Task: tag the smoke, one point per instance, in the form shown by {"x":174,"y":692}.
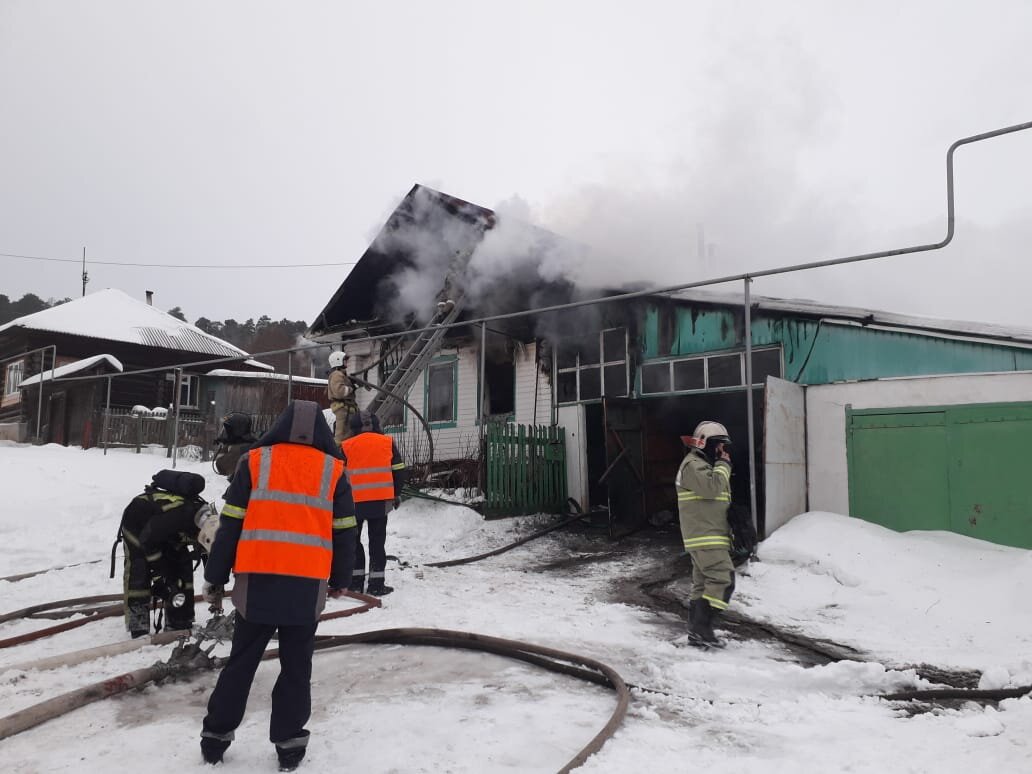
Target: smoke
{"x":734,"y":198}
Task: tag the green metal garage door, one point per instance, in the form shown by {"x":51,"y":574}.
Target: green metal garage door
{"x":965,"y":469}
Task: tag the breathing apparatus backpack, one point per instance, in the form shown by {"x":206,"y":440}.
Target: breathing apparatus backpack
{"x":177,"y":482}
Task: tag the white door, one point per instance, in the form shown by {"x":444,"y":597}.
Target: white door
{"x":784,"y":451}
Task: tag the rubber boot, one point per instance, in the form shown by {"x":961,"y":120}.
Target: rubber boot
{"x":357,"y":584}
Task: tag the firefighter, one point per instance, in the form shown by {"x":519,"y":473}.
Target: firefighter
{"x":233,"y":441}
{"x":703,"y":486}
{"x":160,"y":528}
{"x":287,"y":531}
{"x":376,"y":472}
{"x":341,"y":392}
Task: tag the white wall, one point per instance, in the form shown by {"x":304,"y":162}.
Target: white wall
{"x":462,"y":440}
{"x":827,"y":478}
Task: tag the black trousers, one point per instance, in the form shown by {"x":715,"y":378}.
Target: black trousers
{"x":173,"y":573}
{"x":292,"y":694}
{"x":376,"y":531}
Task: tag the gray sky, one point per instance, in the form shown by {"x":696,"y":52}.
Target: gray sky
{"x":284,"y":133}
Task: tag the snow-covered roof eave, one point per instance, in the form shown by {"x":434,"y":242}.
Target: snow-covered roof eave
{"x":225,"y":372}
{"x":72,"y":368}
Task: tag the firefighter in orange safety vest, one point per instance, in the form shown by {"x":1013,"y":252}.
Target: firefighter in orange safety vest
{"x":287,"y":531}
{"x":376,"y":473}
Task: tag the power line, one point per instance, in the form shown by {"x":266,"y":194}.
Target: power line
{"x":183,"y":265}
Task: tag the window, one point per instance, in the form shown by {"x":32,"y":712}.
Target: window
{"x":12,"y":379}
{"x":441,"y":393}
{"x":708,"y":372}
{"x":588,"y":368}
{"x":189,"y":391}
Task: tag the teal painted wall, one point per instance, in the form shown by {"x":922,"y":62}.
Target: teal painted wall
{"x":816,"y":353}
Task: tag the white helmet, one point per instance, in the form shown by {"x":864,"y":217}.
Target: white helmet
{"x":337,"y":359}
{"x":707,"y":430}
{"x":207,"y":520}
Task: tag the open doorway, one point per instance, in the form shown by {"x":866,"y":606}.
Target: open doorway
{"x":660,"y":451}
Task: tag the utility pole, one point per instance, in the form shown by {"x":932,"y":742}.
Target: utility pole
{"x":85,"y":276}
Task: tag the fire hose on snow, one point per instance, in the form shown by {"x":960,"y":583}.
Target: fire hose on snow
{"x":192,"y":657}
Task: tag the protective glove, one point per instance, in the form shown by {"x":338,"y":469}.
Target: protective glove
{"x":212,"y":593}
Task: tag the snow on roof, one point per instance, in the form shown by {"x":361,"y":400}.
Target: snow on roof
{"x":865,"y":316}
{"x":72,"y":368}
{"x":116,"y":316}
{"x":254,"y":375}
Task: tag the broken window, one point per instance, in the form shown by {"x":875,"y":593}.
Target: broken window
{"x":499,"y":387}
{"x":592,"y":366}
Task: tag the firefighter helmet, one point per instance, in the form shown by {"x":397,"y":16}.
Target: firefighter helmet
{"x":207,"y":520}
{"x":337,"y":358}
{"x":709,"y":431}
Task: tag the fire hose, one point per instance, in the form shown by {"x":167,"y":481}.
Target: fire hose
{"x":189,"y":658}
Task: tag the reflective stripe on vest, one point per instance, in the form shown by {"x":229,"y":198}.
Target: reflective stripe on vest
{"x":288,"y":524}
{"x":369,"y":466}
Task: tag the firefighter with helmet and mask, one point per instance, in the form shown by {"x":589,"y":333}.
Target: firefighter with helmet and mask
{"x":341,"y":393}
{"x":703,"y":486}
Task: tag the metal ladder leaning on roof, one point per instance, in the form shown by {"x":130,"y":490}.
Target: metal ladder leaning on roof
{"x":426,"y":344}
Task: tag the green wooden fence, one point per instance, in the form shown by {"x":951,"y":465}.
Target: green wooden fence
{"x":525,"y":469}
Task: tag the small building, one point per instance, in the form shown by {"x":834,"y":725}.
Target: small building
{"x":833,"y":387}
{"x":73,"y":346}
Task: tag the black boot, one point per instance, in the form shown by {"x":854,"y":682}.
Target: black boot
{"x":700,"y":625}
{"x":212,"y":749}
{"x":378,"y":589}
{"x":290,"y":758}
{"x":357,"y":584}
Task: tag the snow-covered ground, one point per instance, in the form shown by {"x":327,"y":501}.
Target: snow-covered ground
{"x":899,"y":599}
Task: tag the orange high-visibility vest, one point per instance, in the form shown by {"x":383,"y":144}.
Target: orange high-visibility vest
{"x":369,"y":466}
{"x":288,"y":525}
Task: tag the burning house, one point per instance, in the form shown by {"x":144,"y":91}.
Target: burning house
{"x":626,"y":378}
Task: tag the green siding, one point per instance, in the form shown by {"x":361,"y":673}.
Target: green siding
{"x":962,"y":469}
{"x":820,"y":353}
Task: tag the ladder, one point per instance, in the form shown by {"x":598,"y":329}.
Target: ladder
{"x":426,"y":344}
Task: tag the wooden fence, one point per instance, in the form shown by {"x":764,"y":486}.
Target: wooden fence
{"x":125,"y":429}
{"x":525,"y":469}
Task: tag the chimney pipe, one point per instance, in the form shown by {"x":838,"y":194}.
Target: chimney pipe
{"x":150,"y":297}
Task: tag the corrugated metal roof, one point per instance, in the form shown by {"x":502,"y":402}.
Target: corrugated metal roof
{"x":112,"y":315}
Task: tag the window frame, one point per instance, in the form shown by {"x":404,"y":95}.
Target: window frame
{"x":440,"y":362}
{"x":12,"y":394}
{"x":600,"y":365}
{"x":192,"y":382}
{"x":669,"y":362}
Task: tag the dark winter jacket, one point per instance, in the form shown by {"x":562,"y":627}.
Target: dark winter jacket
{"x":368,"y":422}
{"x":284,"y":599}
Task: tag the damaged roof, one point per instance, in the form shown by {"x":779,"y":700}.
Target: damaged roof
{"x":425,"y":223}
{"x":430,"y":230}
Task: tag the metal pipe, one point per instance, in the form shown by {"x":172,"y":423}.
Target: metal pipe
{"x":749,"y":405}
{"x":107,"y":414}
{"x":42,"y":360}
{"x":483,"y":377}
{"x":175,"y":420}
{"x":290,"y":375}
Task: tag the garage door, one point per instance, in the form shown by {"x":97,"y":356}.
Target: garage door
{"x":963,"y":469}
